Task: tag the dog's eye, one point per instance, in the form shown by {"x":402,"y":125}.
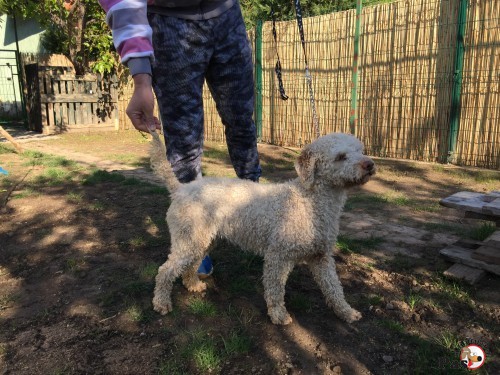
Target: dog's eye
{"x":340,"y":157}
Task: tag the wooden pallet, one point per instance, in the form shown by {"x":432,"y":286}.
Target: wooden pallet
{"x":476,"y":205}
{"x":464,"y":252}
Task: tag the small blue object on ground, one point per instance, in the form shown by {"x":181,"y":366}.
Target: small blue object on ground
{"x":206,"y":268}
{"x":3,"y":171}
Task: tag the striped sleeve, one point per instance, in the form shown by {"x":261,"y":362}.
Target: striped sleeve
{"x":129,"y":24}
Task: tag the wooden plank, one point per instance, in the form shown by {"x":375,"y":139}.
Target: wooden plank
{"x":84,"y":113}
{"x":494,"y":237}
{"x":43,"y":106}
{"x":64,"y":106}
{"x":89,"y":127}
{"x":72,"y":78}
{"x":50,"y":106}
{"x":466,"y":273}
{"x":70,"y":98}
{"x":489,"y":252}
{"x":463,"y":255}
{"x":482,"y":206}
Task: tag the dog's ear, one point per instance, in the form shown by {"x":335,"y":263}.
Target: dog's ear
{"x":306,"y":168}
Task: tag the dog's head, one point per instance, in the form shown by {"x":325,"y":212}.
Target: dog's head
{"x":335,"y":160}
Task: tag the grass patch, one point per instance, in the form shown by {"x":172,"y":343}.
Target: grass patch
{"x":171,"y":367}
{"x":285,"y":162}
{"x":432,"y":207}
{"x":148,"y":271}
{"x":478,"y":233}
{"x":413,"y":300}
{"x":372,"y":300}
{"x":97,"y":206}
{"x":135,"y":313}
{"x":391,"y":197}
{"x":472,"y":175}
{"x":99,"y":176}
{"x":54,"y":177}
{"x":47,"y":160}
{"x":431,"y":357}
{"x":245,"y":317}
{"x":3,"y":350}
{"x":6,"y":300}
{"x":363,"y":200}
{"x":6,"y":149}
{"x":452,"y":289}
{"x":347,"y":245}
{"x":73,"y":264}
{"x":449,"y":341}
{"x":203,"y":352}
{"x":28,"y":192}
{"x":237,"y":343}
{"x":137,"y":241}
{"x":129,"y":159}
{"x":74,"y":197}
{"x":202,"y":307}
{"x":148,"y":189}
{"x":216,"y":153}
{"x":481,"y":232}
{"x":391,"y":325}
{"x":397,"y":198}
{"x":444,"y":227}
{"x":404,"y":263}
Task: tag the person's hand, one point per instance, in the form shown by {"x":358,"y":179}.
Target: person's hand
{"x":141,"y":105}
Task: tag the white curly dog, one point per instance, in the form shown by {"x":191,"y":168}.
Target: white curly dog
{"x":287,"y":223}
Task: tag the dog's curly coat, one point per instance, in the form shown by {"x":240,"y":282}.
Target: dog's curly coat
{"x":286,"y":223}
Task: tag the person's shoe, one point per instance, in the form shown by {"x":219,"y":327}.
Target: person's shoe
{"x":206,"y":268}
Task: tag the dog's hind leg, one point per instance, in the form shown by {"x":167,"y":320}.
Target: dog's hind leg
{"x":274,"y":280}
{"x":190,"y":278}
{"x":325,"y":274}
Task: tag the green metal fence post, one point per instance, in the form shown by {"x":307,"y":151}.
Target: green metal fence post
{"x":457,"y":82}
{"x":258,"y":78}
{"x":353,"y":120}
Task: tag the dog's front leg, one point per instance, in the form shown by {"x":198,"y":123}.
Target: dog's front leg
{"x":276,"y":273}
{"x":323,"y":269}
{"x":175,"y":265}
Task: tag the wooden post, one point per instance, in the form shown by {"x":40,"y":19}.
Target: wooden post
{"x":11,"y":139}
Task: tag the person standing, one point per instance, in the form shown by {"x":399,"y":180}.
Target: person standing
{"x":172,"y":47}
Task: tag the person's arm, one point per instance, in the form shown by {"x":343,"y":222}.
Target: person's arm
{"x":132,"y":34}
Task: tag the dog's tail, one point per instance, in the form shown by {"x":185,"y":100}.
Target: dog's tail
{"x":160,"y":165}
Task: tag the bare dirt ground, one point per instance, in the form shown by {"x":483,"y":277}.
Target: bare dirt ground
{"x":79,"y":249}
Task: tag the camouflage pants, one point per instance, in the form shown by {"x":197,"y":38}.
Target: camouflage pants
{"x":186,"y":53}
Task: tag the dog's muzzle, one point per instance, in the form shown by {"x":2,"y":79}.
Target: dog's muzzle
{"x":368,"y":167}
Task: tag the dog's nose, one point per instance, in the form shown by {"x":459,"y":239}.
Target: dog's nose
{"x":368,"y":165}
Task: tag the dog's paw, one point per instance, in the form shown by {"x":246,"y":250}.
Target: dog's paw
{"x":161,"y":306}
{"x":280,"y":316}
{"x":352,"y":316}
{"x":196,"y":287}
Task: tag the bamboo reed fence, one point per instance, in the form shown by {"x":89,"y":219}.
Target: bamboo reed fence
{"x":406,"y":78}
